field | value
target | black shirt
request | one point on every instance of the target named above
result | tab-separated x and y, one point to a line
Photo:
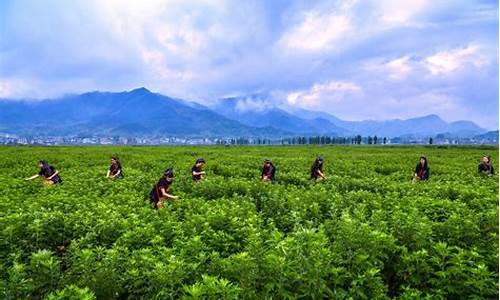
315	173
487	168
268	171
114	168
197	170
155	193
422	172
47	171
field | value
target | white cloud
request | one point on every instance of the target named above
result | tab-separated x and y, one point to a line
397	12
337	25
5	89
399	68
17	88
203	49
334	91
249	104
396	69
317	31
450	61
443	63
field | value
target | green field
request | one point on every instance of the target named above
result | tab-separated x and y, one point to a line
365	233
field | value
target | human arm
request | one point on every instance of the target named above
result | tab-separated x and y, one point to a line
117	173
56	172
32	177
165	194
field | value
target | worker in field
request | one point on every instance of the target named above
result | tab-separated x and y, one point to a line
317	169
115	169
50	174
268	171
485	167
197	170
422	170
160	193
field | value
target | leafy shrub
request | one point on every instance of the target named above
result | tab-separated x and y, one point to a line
367	232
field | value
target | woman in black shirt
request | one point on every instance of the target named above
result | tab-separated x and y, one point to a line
317	169
50	174
422	170
196	171
115	169
160	193
268	171
485	167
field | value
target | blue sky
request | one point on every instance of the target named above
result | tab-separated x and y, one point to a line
355	59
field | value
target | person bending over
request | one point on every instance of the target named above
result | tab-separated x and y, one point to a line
268	171
50	174
317	169
115	169
197	170
160	193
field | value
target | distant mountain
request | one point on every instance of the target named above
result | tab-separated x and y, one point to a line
488	136
420	126
142	113
135	113
236	109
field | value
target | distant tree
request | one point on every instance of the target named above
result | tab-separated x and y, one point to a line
370	140
375	138
431	140
385	140
358	139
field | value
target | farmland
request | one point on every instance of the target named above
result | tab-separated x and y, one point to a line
367	232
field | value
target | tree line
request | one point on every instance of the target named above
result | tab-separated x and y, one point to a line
307	140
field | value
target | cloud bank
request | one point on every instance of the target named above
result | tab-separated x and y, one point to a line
354	59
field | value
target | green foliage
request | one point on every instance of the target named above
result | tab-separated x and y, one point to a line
211	288
367	232
72	292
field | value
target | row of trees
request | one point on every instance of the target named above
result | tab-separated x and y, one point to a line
327	140
303	140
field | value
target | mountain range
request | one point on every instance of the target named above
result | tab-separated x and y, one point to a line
256	111
141	112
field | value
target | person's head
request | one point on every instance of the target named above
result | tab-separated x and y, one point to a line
423	160
114	159
200	162
267	163
319	160
486	159
42	163
169	174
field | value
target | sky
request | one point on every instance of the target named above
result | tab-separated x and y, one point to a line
358	60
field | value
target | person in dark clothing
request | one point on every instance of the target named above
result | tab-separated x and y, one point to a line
197	170
317	169
115	169
268	171
422	170
485	167
160	193
50	174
